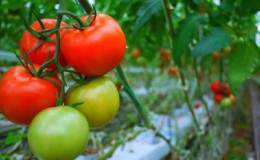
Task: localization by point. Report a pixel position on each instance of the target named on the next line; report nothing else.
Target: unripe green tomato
(98, 100)
(226, 103)
(58, 133)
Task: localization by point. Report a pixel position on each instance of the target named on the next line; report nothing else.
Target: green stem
(117, 144)
(74, 16)
(205, 104)
(141, 109)
(86, 6)
(188, 101)
(168, 17)
(144, 114)
(186, 94)
(221, 67)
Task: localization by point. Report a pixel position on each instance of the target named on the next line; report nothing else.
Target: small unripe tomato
(136, 53)
(225, 103)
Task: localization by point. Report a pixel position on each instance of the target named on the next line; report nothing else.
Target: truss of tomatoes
(222, 94)
(29, 100)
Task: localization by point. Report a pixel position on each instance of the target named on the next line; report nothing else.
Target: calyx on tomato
(45, 50)
(97, 49)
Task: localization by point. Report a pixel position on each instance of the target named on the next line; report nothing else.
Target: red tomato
(225, 89)
(23, 96)
(47, 49)
(216, 87)
(173, 71)
(96, 49)
(218, 98)
(165, 55)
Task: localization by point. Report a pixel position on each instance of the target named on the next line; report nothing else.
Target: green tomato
(59, 133)
(98, 100)
(226, 103)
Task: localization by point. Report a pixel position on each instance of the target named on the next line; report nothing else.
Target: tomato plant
(23, 96)
(96, 49)
(44, 51)
(58, 133)
(99, 100)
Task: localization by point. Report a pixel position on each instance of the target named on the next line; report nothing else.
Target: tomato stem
(141, 109)
(86, 6)
(205, 104)
(186, 94)
(75, 17)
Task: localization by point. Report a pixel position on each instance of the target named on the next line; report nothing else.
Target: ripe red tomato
(47, 49)
(218, 98)
(59, 133)
(99, 98)
(225, 89)
(216, 87)
(173, 71)
(96, 49)
(165, 55)
(23, 96)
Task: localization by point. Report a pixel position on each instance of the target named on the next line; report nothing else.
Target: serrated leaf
(184, 35)
(218, 39)
(149, 8)
(242, 63)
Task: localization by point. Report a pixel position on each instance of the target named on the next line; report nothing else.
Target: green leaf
(242, 63)
(13, 138)
(185, 34)
(249, 6)
(149, 8)
(218, 39)
(76, 104)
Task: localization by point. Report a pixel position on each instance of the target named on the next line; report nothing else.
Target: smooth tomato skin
(100, 100)
(225, 103)
(23, 96)
(59, 133)
(47, 49)
(216, 87)
(96, 49)
(218, 98)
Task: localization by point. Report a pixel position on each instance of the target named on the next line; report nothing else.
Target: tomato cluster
(222, 94)
(30, 93)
